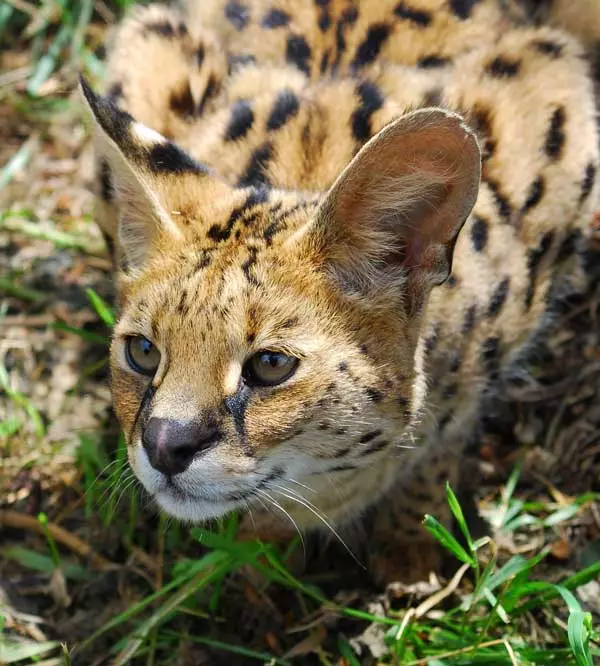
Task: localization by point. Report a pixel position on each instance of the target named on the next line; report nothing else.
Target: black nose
(171, 445)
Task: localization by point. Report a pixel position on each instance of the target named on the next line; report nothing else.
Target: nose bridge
(187, 392)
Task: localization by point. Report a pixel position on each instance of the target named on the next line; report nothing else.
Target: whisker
(316, 512)
(127, 485)
(112, 488)
(302, 485)
(105, 469)
(275, 503)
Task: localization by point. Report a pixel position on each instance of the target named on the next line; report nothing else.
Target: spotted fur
(289, 197)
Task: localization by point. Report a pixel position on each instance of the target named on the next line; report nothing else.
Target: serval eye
(142, 355)
(269, 368)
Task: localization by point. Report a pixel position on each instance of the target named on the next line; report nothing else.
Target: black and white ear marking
(148, 149)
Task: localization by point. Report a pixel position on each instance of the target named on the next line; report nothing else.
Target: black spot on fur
(470, 319)
(237, 14)
(374, 394)
(479, 233)
(445, 420)
(298, 53)
(502, 202)
(374, 448)
(450, 391)
(286, 107)
(503, 68)
(548, 47)
(430, 61)
(324, 21)
(589, 178)
(463, 8)
(162, 28)
(209, 91)
(369, 436)
(270, 231)
(568, 246)
(480, 119)
(371, 100)
(432, 340)
(499, 298)
(369, 49)
(555, 138)
(239, 60)
(455, 363)
(343, 366)
(183, 307)
(339, 468)
(348, 18)
(535, 194)
(255, 173)
(416, 16)
(275, 18)
(240, 122)
(534, 259)
(249, 264)
(107, 189)
(256, 197)
(203, 261)
(490, 355)
(200, 54)
(451, 281)
(325, 61)
(168, 158)
(182, 102)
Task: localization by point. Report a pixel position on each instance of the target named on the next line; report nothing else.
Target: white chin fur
(190, 510)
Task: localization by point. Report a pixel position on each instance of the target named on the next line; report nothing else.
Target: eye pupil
(274, 360)
(269, 368)
(146, 346)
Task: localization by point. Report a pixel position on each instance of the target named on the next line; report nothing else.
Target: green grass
(482, 628)
(57, 34)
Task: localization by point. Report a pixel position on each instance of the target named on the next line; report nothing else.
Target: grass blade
(103, 310)
(437, 530)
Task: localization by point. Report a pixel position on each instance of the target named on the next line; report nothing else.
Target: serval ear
(151, 178)
(391, 219)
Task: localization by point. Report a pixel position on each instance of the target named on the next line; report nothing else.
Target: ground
(86, 562)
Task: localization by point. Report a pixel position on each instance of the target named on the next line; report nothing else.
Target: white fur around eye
(232, 378)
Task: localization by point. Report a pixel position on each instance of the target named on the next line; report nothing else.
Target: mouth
(184, 504)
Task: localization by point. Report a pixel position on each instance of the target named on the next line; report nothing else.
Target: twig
(454, 653)
(20, 521)
(435, 598)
